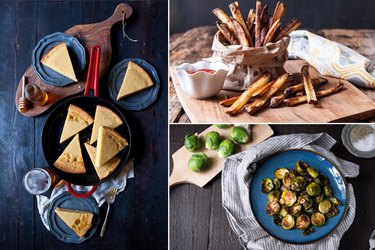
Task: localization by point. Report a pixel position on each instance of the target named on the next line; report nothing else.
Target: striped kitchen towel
(236, 178)
(331, 58)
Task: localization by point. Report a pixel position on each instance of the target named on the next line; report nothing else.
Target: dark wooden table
(139, 217)
(198, 220)
(195, 44)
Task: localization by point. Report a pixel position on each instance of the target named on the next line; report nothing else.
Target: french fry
(271, 33)
(279, 97)
(227, 33)
(279, 11)
(307, 84)
(263, 34)
(255, 106)
(240, 33)
(258, 24)
(316, 82)
(236, 13)
(229, 101)
(264, 15)
(291, 26)
(247, 94)
(223, 17)
(302, 99)
(250, 20)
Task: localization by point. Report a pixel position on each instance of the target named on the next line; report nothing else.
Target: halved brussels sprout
(295, 210)
(319, 198)
(335, 201)
(305, 201)
(192, 142)
(321, 179)
(212, 140)
(324, 206)
(327, 191)
(308, 231)
(303, 221)
(311, 210)
(283, 211)
(226, 148)
(313, 189)
(301, 166)
(287, 222)
(276, 184)
(312, 172)
(267, 185)
(272, 208)
(298, 184)
(240, 135)
(287, 179)
(277, 219)
(307, 177)
(280, 172)
(318, 219)
(274, 196)
(288, 198)
(333, 212)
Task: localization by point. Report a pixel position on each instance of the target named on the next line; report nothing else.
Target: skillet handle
(92, 80)
(80, 195)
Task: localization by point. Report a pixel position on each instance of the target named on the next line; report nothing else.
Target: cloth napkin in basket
(118, 182)
(331, 58)
(236, 179)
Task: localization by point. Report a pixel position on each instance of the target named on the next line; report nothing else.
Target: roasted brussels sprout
(222, 125)
(212, 140)
(287, 222)
(192, 142)
(327, 191)
(295, 210)
(307, 177)
(283, 211)
(298, 184)
(303, 221)
(321, 179)
(198, 162)
(272, 208)
(267, 185)
(226, 148)
(280, 172)
(312, 172)
(274, 196)
(333, 212)
(311, 210)
(319, 198)
(240, 135)
(287, 180)
(318, 219)
(301, 166)
(313, 189)
(308, 231)
(335, 201)
(305, 201)
(277, 219)
(288, 198)
(276, 184)
(324, 206)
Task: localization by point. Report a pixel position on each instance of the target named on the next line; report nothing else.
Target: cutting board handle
(118, 14)
(175, 179)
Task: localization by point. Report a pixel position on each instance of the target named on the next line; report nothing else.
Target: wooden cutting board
(88, 35)
(182, 174)
(348, 105)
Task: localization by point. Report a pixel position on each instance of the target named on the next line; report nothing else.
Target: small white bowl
(201, 84)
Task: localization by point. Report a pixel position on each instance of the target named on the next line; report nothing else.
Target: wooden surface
(198, 220)
(181, 50)
(88, 35)
(182, 174)
(139, 216)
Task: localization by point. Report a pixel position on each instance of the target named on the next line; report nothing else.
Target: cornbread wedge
(79, 221)
(71, 160)
(59, 60)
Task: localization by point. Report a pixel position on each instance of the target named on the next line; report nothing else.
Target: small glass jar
(36, 95)
(39, 180)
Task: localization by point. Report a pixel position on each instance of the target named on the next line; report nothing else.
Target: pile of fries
(287, 89)
(260, 27)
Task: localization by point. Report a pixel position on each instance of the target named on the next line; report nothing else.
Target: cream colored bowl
(201, 84)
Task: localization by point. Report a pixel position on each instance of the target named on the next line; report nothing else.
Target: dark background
(314, 14)
(198, 219)
(139, 216)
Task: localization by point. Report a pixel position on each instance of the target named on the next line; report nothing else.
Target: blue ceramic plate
(76, 52)
(287, 159)
(137, 101)
(58, 226)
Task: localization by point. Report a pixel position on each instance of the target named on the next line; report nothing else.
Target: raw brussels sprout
(325, 206)
(295, 210)
(301, 167)
(319, 198)
(276, 184)
(280, 172)
(226, 148)
(272, 208)
(192, 142)
(287, 180)
(313, 189)
(198, 162)
(298, 184)
(305, 201)
(321, 179)
(303, 221)
(212, 140)
(335, 201)
(283, 211)
(240, 135)
(308, 231)
(222, 125)
(312, 172)
(318, 219)
(273, 196)
(333, 212)
(287, 222)
(267, 185)
(288, 198)
(327, 191)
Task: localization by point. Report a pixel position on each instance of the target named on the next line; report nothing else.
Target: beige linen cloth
(331, 58)
(236, 179)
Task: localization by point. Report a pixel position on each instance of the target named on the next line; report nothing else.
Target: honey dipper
(23, 103)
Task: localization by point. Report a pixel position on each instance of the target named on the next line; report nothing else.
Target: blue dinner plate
(287, 159)
(138, 101)
(58, 226)
(76, 52)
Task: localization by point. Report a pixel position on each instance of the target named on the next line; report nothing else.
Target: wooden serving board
(348, 105)
(88, 35)
(182, 174)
